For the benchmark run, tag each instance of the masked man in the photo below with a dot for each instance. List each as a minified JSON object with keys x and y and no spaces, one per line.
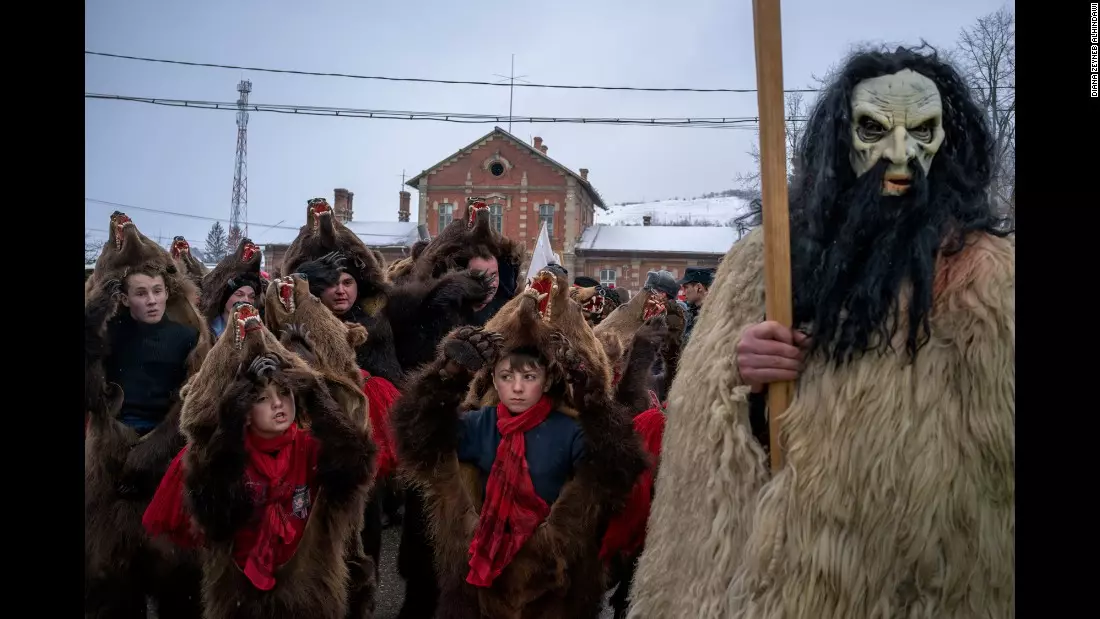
{"x":897,"y":494}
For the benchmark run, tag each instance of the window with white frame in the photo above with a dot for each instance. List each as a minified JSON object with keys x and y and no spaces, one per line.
{"x":546,"y":215}
{"x":607,"y":277}
{"x":446,"y":215}
{"x":496,"y":217}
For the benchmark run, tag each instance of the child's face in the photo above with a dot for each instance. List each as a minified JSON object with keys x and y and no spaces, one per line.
{"x":273,"y":412}
{"x":519,"y":389}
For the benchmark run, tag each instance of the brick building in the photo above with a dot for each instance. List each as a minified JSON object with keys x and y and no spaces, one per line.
{"x":391,"y":238}
{"x":524,"y":187}
{"x":620,"y":256}
{"x":521,"y":184}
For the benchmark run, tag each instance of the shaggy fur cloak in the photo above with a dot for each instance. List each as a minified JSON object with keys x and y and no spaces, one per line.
{"x":315,"y":582}
{"x":636,"y":390}
{"x":121,"y":470}
{"x":616,"y":332}
{"x":909,"y":512}
{"x":127,"y":250}
{"x":528,"y":321}
{"x":557,"y":573}
{"x":458,"y":242}
{"x":446,"y":256}
{"x":215,"y":291}
{"x":399,"y":270}
{"x":307,"y":328}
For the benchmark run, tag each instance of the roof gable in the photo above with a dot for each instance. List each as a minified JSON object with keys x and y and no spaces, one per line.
{"x":497,"y":131}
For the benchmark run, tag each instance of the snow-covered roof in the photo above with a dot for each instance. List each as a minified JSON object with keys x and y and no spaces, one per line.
{"x":385,"y":233}
{"x":696,"y":210}
{"x":664,"y":239}
{"x":376,"y":233}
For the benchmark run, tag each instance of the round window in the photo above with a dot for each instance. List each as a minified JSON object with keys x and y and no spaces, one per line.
{"x":497,"y":168}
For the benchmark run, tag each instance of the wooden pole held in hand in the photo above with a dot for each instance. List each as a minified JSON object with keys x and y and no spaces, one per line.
{"x":767,"y":27}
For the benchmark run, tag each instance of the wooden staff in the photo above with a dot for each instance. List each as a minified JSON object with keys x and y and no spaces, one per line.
{"x":767,"y":28}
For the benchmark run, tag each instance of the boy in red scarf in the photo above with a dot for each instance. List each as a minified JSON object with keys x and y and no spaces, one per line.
{"x":548,"y":475}
{"x":268,"y":496}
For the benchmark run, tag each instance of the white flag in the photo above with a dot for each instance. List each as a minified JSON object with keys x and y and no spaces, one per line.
{"x":542,"y":254}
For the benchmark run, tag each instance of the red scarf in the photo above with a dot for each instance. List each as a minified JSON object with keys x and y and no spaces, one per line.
{"x":280,"y":468}
{"x":626,"y":531}
{"x":381,"y":394}
{"x":278,"y":474}
{"x":512,"y":511}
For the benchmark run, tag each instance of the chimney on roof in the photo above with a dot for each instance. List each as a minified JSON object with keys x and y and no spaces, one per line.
{"x":341,"y":204}
{"x":584,"y":174}
{"x":544,"y":148}
{"x":403,"y":208}
{"x":538,"y":143}
{"x":647,"y":219}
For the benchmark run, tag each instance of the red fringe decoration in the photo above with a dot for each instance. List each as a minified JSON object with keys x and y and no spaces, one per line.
{"x":381,"y":394}
{"x":626,"y":532}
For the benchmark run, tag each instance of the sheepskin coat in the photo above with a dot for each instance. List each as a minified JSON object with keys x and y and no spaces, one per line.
{"x":897,"y":497}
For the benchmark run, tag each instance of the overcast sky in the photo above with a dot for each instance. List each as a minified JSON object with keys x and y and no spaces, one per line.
{"x":181,"y":160}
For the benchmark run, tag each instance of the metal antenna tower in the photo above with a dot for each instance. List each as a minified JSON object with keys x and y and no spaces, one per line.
{"x":238,"y":213}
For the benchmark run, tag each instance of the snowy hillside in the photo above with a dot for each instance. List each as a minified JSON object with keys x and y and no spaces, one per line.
{"x":668,"y":212}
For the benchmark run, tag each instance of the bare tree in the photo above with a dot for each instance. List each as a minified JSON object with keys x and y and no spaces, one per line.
{"x":795,"y":119}
{"x":986,"y":55}
{"x":92,"y":247}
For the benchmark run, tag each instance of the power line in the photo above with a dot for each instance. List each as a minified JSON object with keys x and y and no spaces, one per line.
{"x":130,"y":207}
{"x":422,"y":80}
{"x":454,"y":117}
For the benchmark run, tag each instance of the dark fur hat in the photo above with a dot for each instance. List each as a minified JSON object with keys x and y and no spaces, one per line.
{"x":244,"y":339}
{"x":323,"y":273}
{"x":239,"y":269}
{"x":471,"y":235}
{"x":531,"y":320}
{"x":324,"y":234}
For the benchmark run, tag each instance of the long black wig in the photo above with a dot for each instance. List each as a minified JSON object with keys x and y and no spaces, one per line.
{"x":853,"y":250}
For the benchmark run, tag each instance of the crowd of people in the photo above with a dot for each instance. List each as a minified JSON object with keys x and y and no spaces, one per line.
{"x":248,"y":435}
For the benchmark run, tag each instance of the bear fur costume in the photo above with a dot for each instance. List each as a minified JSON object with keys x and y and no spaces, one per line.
{"x":307,"y":328}
{"x":617,"y":330}
{"x":121,"y":470}
{"x":404,"y":321}
{"x":469,"y":235}
{"x":462,"y":239}
{"x":532,"y":317}
{"x":300,"y":319}
{"x":215,"y":292}
{"x":557,"y":573}
{"x":187,"y":263}
{"x":316,"y":582}
{"x":398,"y":270}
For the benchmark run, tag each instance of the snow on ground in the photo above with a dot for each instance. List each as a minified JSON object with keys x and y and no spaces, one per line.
{"x":664,"y":212}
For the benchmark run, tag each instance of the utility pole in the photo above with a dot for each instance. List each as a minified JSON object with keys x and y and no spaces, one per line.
{"x":511,"y":91}
{"x":511,"y":77}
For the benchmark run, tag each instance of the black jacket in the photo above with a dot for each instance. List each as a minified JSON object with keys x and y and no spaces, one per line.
{"x":149,"y":362}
